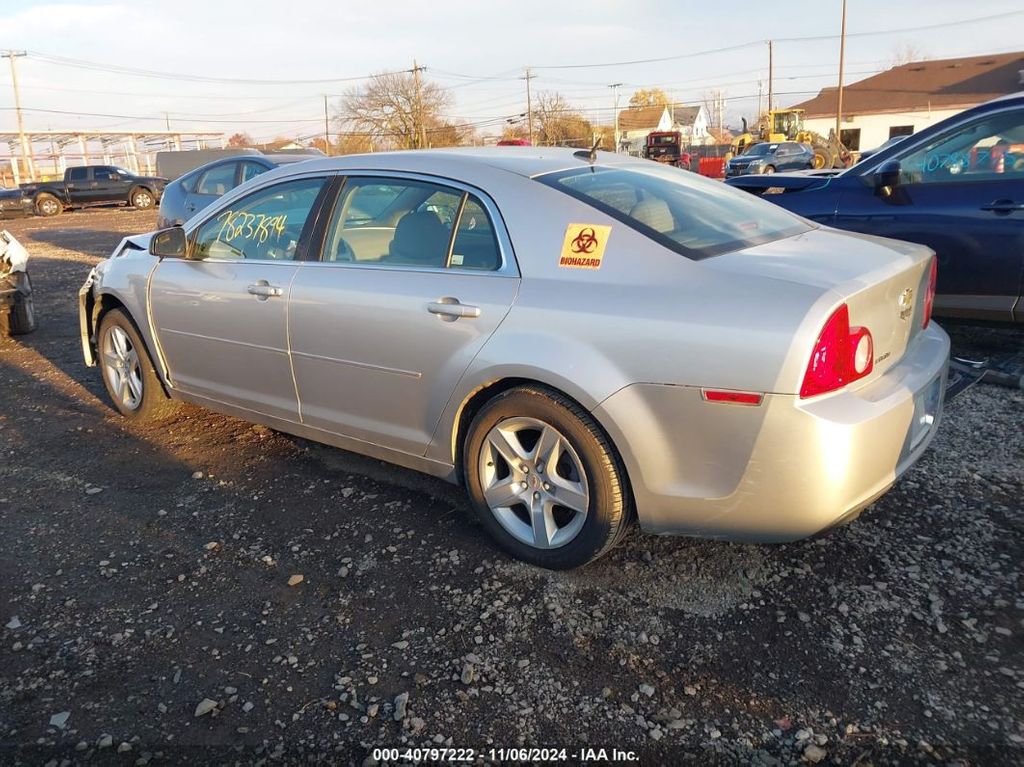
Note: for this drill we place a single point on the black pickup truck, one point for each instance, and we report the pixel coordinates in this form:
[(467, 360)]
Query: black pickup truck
[(92, 185)]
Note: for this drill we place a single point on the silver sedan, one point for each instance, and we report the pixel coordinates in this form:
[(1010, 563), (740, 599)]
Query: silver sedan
[(581, 340)]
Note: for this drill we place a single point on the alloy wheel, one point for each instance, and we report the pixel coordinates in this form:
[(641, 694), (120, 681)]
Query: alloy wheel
[(534, 482), (122, 369)]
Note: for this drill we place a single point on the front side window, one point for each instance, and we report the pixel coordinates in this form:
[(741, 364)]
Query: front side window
[(408, 223), (987, 148), (265, 225), (691, 215), (218, 180)]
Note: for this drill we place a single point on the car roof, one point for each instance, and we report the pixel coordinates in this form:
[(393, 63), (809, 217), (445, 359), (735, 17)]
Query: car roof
[(284, 159), (525, 161)]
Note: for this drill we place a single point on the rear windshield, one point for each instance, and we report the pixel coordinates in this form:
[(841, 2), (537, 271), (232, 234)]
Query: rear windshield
[(687, 213)]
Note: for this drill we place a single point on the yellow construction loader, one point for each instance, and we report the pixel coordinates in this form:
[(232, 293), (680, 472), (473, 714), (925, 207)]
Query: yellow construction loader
[(788, 125)]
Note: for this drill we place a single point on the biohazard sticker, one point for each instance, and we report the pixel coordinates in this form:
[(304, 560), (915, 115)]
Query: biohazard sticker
[(583, 247)]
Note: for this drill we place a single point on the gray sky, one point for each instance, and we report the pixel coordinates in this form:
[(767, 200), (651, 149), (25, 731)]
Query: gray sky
[(478, 49)]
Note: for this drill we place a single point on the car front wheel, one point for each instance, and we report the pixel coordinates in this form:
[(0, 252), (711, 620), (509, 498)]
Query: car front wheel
[(544, 479), (128, 373)]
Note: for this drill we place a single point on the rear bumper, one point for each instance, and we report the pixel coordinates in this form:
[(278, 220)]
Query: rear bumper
[(784, 470)]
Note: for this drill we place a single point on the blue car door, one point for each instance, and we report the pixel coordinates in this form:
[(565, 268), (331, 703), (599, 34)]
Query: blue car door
[(790, 157), (961, 193)]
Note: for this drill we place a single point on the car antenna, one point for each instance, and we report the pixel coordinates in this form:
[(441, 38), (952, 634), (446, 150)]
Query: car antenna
[(591, 154)]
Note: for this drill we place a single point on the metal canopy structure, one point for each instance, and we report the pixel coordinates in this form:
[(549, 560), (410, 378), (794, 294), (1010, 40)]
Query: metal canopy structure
[(51, 152)]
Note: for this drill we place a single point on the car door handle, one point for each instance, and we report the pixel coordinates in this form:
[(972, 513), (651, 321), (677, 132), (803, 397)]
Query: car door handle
[(264, 290), (451, 309), (1003, 206)]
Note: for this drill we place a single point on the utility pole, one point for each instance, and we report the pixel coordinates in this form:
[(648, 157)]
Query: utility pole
[(421, 128), (615, 89), (842, 56), (26, 150), (327, 130), (770, 76), (167, 121), (529, 104)]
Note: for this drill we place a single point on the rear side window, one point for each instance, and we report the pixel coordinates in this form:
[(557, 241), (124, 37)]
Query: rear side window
[(693, 216), (78, 174), (251, 170), (411, 224)]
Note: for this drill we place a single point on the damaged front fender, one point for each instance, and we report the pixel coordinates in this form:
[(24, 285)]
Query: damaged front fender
[(17, 311), (86, 317)]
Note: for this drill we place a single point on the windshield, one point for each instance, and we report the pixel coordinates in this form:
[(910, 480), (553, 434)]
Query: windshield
[(760, 150), (689, 214)]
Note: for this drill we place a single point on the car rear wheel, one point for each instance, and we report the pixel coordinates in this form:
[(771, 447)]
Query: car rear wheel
[(142, 199), (544, 479), (128, 373), (48, 205)]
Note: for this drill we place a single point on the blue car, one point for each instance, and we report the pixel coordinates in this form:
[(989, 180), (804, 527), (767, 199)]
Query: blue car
[(189, 194), (769, 158), (957, 187)]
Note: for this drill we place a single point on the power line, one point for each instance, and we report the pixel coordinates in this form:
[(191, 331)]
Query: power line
[(64, 61), (807, 38), (156, 117)]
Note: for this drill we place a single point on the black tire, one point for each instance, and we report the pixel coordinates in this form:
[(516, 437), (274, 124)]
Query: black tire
[(609, 511), (48, 205), (20, 317), (141, 198), (823, 157), (153, 402)]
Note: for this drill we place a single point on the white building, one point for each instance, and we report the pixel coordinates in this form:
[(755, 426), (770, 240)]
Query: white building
[(636, 122), (910, 97)]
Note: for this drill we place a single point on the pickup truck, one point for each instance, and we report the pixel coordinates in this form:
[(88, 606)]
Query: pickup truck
[(93, 185)]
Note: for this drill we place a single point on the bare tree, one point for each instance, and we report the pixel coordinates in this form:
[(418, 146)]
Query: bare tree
[(904, 53), (649, 97), (394, 110), (557, 123)]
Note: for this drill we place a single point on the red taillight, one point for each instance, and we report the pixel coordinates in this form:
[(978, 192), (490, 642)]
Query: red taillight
[(841, 355), (929, 296)]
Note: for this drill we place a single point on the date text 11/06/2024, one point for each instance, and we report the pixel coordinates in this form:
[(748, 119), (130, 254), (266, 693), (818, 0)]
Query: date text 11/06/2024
[(583, 755)]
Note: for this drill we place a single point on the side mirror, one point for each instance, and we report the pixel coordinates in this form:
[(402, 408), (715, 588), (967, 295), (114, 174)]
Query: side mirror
[(169, 243), (887, 177)]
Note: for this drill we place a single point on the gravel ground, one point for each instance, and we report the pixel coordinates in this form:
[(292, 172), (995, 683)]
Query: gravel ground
[(149, 610)]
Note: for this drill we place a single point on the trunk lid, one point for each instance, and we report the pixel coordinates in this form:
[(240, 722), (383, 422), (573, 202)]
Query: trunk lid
[(882, 281)]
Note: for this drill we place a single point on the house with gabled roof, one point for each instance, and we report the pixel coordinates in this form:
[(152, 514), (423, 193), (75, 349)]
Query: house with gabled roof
[(907, 98), (636, 122)]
